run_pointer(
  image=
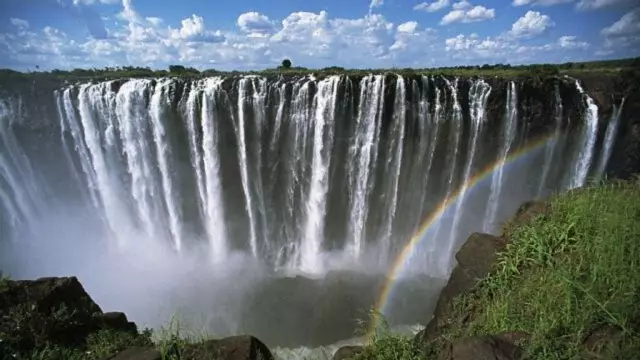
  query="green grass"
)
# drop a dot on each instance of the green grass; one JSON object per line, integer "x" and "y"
{"x": 565, "y": 273}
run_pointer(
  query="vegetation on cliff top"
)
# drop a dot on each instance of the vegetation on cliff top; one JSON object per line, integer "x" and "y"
{"x": 570, "y": 277}
{"x": 286, "y": 69}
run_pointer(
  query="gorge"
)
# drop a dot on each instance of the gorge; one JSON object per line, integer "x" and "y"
{"x": 248, "y": 202}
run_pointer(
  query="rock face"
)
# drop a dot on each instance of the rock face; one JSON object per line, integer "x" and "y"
{"x": 243, "y": 347}
{"x": 347, "y": 352}
{"x": 475, "y": 259}
{"x": 497, "y": 347}
{"x": 56, "y": 311}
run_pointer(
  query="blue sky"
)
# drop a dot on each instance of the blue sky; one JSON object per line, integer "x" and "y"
{"x": 257, "y": 34}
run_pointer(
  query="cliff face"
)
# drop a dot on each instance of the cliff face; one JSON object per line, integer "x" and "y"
{"x": 347, "y": 161}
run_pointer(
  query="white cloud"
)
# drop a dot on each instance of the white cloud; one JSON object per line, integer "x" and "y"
{"x": 599, "y": 4}
{"x": 604, "y": 52}
{"x": 531, "y": 24}
{"x": 408, "y": 27}
{"x": 474, "y": 14}
{"x": 464, "y": 4}
{"x": 473, "y": 46}
{"x": 629, "y": 24}
{"x": 24, "y": 24}
{"x": 193, "y": 29}
{"x": 539, "y": 2}
{"x": 570, "y": 42}
{"x": 255, "y": 24}
{"x": 432, "y": 6}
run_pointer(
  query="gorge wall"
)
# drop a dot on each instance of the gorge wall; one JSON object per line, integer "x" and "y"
{"x": 289, "y": 170}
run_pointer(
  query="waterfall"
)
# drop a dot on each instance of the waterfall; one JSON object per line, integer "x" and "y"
{"x": 509, "y": 130}
{"x": 394, "y": 164}
{"x": 550, "y": 148}
{"x": 213, "y": 206}
{"x": 362, "y": 155}
{"x": 478, "y": 96}
{"x": 587, "y": 142}
{"x": 609, "y": 139}
{"x": 300, "y": 173}
{"x": 243, "y": 88}
{"x": 156, "y": 112}
{"x": 325, "y": 105}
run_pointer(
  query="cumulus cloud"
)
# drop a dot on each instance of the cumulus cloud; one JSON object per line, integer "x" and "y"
{"x": 539, "y": 2}
{"x": 473, "y": 46}
{"x": 467, "y": 14}
{"x": 629, "y": 24}
{"x": 255, "y": 24}
{"x": 531, "y": 24}
{"x": 432, "y": 6}
{"x": 24, "y": 24}
{"x": 84, "y": 12}
{"x": 464, "y": 4}
{"x": 193, "y": 29}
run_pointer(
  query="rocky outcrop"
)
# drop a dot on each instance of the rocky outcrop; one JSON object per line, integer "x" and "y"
{"x": 54, "y": 311}
{"x": 58, "y": 312}
{"x": 475, "y": 259}
{"x": 348, "y": 352}
{"x": 495, "y": 347}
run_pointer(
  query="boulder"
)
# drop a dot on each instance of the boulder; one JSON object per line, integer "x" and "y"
{"x": 136, "y": 353}
{"x": 52, "y": 311}
{"x": 348, "y": 352}
{"x": 47, "y": 310}
{"x": 244, "y": 347}
{"x": 475, "y": 259}
{"x": 492, "y": 347}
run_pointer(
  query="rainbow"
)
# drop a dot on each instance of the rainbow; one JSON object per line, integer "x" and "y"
{"x": 401, "y": 260}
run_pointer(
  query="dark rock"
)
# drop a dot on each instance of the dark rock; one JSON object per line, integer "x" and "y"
{"x": 117, "y": 321}
{"x": 47, "y": 310}
{"x": 527, "y": 211}
{"x": 347, "y": 352}
{"x": 483, "y": 348}
{"x": 243, "y": 347}
{"x": 475, "y": 259}
{"x": 136, "y": 353}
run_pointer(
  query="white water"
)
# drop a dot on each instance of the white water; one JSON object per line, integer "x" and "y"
{"x": 509, "y": 130}
{"x": 587, "y": 142}
{"x": 362, "y": 155}
{"x": 244, "y": 171}
{"x": 394, "y": 164}
{"x": 550, "y": 148}
{"x": 478, "y": 96}
{"x": 213, "y": 208}
{"x": 156, "y": 111}
{"x": 609, "y": 140}
{"x": 324, "y": 104}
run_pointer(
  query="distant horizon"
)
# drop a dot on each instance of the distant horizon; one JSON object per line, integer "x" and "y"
{"x": 334, "y": 67}
{"x": 252, "y": 35}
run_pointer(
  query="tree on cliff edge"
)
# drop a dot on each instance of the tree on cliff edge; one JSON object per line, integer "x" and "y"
{"x": 286, "y": 64}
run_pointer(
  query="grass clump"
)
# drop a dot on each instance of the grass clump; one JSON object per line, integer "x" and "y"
{"x": 567, "y": 275}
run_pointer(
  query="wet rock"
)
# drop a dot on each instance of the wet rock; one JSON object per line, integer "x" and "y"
{"x": 117, "y": 321}
{"x": 475, "y": 259}
{"x": 244, "y": 347}
{"x": 496, "y": 347}
{"x": 347, "y": 352}
{"x": 136, "y": 353}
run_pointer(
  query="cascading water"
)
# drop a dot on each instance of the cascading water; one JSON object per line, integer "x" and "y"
{"x": 586, "y": 145}
{"x": 609, "y": 139}
{"x": 550, "y": 148}
{"x": 478, "y": 96}
{"x": 305, "y": 174}
{"x": 508, "y": 136}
